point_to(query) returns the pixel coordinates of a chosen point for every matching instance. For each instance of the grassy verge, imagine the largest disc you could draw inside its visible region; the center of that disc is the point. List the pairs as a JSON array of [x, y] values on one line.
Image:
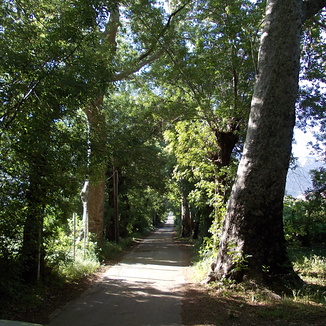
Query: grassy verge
[[246, 304]]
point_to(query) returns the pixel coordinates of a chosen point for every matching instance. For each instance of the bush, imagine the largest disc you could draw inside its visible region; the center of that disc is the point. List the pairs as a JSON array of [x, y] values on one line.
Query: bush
[[80, 266], [68, 253]]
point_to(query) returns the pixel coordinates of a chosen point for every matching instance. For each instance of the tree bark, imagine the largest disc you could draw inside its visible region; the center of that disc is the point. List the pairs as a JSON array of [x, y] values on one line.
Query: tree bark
[[252, 242], [225, 141], [32, 252], [98, 162], [39, 185]]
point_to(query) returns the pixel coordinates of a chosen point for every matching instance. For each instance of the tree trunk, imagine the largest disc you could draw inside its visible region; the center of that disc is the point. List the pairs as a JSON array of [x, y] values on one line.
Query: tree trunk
[[96, 120], [98, 145], [185, 217], [32, 251], [39, 185], [96, 209], [98, 157], [225, 141], [252, 241], [116, 204]]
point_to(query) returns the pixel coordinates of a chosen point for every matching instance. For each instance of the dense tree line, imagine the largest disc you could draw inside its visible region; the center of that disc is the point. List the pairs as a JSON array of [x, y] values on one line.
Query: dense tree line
[[146, 103]]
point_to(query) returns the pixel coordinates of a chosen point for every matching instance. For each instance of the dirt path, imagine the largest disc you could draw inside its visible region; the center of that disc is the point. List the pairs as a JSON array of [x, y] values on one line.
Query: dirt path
[[144, 288]]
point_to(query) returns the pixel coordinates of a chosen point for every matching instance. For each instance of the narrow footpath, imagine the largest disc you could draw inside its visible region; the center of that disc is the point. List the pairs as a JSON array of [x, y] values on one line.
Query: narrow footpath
[[144, 288]]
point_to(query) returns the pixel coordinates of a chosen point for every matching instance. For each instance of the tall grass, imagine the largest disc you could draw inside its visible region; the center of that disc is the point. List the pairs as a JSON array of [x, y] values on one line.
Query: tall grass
[[314, 266], [78, 267], [310, 264]]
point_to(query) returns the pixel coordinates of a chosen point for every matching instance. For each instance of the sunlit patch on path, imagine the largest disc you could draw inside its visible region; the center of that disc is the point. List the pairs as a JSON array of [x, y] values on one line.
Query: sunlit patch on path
[[143, 289]]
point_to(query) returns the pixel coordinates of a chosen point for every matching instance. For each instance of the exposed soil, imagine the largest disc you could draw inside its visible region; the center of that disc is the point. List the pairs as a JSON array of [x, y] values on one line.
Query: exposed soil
[[205, 306]]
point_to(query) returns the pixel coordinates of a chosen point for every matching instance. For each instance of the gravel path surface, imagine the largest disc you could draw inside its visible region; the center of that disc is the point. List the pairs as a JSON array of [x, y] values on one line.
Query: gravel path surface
[[144, 288]]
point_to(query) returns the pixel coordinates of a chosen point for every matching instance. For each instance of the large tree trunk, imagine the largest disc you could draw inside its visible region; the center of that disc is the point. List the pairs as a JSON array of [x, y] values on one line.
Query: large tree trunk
[[252, 242], [96, 209], [96, 119], [32, 252], [39, 184], [98, 142], [98, 165]]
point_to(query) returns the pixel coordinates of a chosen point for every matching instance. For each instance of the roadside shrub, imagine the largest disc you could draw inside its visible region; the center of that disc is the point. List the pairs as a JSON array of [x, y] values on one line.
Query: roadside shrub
[[68, 253], [78, 267]]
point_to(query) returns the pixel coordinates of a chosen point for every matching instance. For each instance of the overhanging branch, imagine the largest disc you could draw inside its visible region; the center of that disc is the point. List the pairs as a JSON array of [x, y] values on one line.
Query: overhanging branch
[[312, 7], [127, 73], [319, 23], [151, 55]]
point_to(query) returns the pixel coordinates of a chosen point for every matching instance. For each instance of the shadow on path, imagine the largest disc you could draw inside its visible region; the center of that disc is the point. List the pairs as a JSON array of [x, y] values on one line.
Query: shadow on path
[[144, 288]]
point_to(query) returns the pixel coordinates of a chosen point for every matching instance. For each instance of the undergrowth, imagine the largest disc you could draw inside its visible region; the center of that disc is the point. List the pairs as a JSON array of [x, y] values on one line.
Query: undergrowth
[[310, 264]]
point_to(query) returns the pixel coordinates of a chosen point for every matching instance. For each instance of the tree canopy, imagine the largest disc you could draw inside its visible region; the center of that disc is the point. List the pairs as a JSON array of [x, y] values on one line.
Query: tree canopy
[[148, 101]]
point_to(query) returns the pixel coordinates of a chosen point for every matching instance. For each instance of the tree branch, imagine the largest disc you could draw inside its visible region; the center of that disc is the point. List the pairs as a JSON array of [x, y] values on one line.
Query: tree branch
[[148, 57], [127, 73], [312, 7], [111, 30], [165, 28], [319, 23]]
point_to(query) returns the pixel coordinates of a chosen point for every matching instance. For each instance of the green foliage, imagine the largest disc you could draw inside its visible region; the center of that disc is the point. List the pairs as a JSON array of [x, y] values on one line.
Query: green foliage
[[161, 125], [203, 87], [313, 265], [303, 222], [136, 149], [42, 171], [79, 267], [143, 206], [310, 264], [312, 95], [69, 253], [209, 246], [294, 216], [309, 261], [50, 63], [208, 76], [111, 250], [305, 219]]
